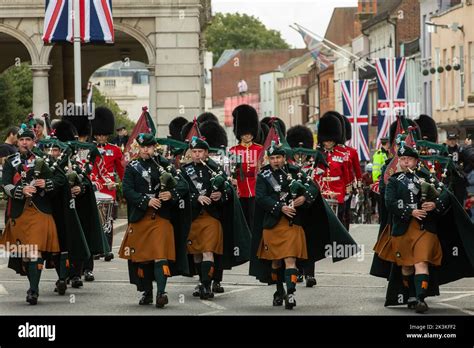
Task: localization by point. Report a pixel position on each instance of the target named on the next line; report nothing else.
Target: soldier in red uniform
(246, 129)
(103, 125)
(332, 180)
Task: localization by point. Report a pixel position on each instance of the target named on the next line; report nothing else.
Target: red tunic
(113, 162)
(335, 177)
(249, 160)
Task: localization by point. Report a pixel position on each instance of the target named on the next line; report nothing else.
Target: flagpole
(333, 50)
(328, 42)
(77, 55)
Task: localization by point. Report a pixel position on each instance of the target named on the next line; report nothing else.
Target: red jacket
(113, 162)
(353, 163)
(249, 164)
(335, 177)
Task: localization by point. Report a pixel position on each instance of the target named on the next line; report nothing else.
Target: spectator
(9, 147)
(122, 137)
(242, 86)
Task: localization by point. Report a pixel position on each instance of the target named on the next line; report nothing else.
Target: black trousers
(346, 217)
(248, 207)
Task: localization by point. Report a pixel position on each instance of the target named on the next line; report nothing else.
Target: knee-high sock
(277, 278)
(290, 279)
(198, 270)
(409, 283)
(207, 270)
(421, 285)
(63, 265)
(162, 272)
(34, 273)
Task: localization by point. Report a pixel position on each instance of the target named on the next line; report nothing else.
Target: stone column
(152, 93)
(40, 89)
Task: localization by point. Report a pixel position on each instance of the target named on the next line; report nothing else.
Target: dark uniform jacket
(403, 195)
(141, 182)
(273, 192)
(19, 171)
(199, 178)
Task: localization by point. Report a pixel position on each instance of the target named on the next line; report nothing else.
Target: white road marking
(458, 308)
(455, 297)
(3, 291)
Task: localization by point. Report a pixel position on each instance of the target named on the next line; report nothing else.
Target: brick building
(234, 65)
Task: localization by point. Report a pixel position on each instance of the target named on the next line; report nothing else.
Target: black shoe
(217, 287)
(278, 298)
(32, 297)
(300, 278)
(147, 298)
(290, 301)
(196, 291)
(97, 257)
(109, 257)
(310, 281)
(61, 287)
(161, 300)
(205, 292)
(412, 303)
(76, 282)
(421, 306)
(89, 276)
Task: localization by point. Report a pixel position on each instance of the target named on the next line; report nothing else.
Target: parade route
(344, 288)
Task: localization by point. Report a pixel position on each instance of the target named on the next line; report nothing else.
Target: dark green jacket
(16, 176)
(403, 195)
(203, 180)
(138, 190)
(271, 200)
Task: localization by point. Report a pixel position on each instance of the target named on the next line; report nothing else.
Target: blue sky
(279, 14)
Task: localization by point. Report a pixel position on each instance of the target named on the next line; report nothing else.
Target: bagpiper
(158, 221)
(30, 230)
(218, 232)
(292, 222)
(429, 240)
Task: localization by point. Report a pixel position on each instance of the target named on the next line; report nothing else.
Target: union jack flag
(391, 90)
(355, 108)
(95, 16)
(315, 46)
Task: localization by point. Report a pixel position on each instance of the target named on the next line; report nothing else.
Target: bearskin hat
(214, 134)
(81, 123)
(428, 128)
(207, 116)
(103, 122)
(245, 121)
(329, 129)
(186, 129)
(262, 133)
(64, 130)
(300, 134)
(175, 127)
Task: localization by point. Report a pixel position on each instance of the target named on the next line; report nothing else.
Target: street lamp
(453, 26)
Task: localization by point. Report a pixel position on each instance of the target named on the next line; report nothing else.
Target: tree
(120, 116)
(239, 31)
(16, 97)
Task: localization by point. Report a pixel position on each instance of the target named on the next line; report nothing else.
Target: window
(471, 65)
(444, 84)
(461, 75)
(109, 83)
(270, 97)
(453, 79)
(438, 81)
(264, 92)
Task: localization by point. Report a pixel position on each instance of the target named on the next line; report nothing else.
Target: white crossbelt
(331, 178)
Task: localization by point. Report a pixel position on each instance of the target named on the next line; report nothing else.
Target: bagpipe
(167, 181)
(218, 179)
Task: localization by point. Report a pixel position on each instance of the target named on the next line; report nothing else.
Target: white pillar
(40, 89)
(152, 93)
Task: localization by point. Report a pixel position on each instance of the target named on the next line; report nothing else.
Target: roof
(342, 19)
(225, 57)
(384, 9)
(294, 62)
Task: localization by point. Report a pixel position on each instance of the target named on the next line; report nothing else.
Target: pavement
(344, 288)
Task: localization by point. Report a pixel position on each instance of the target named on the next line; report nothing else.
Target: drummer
(102, 127)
